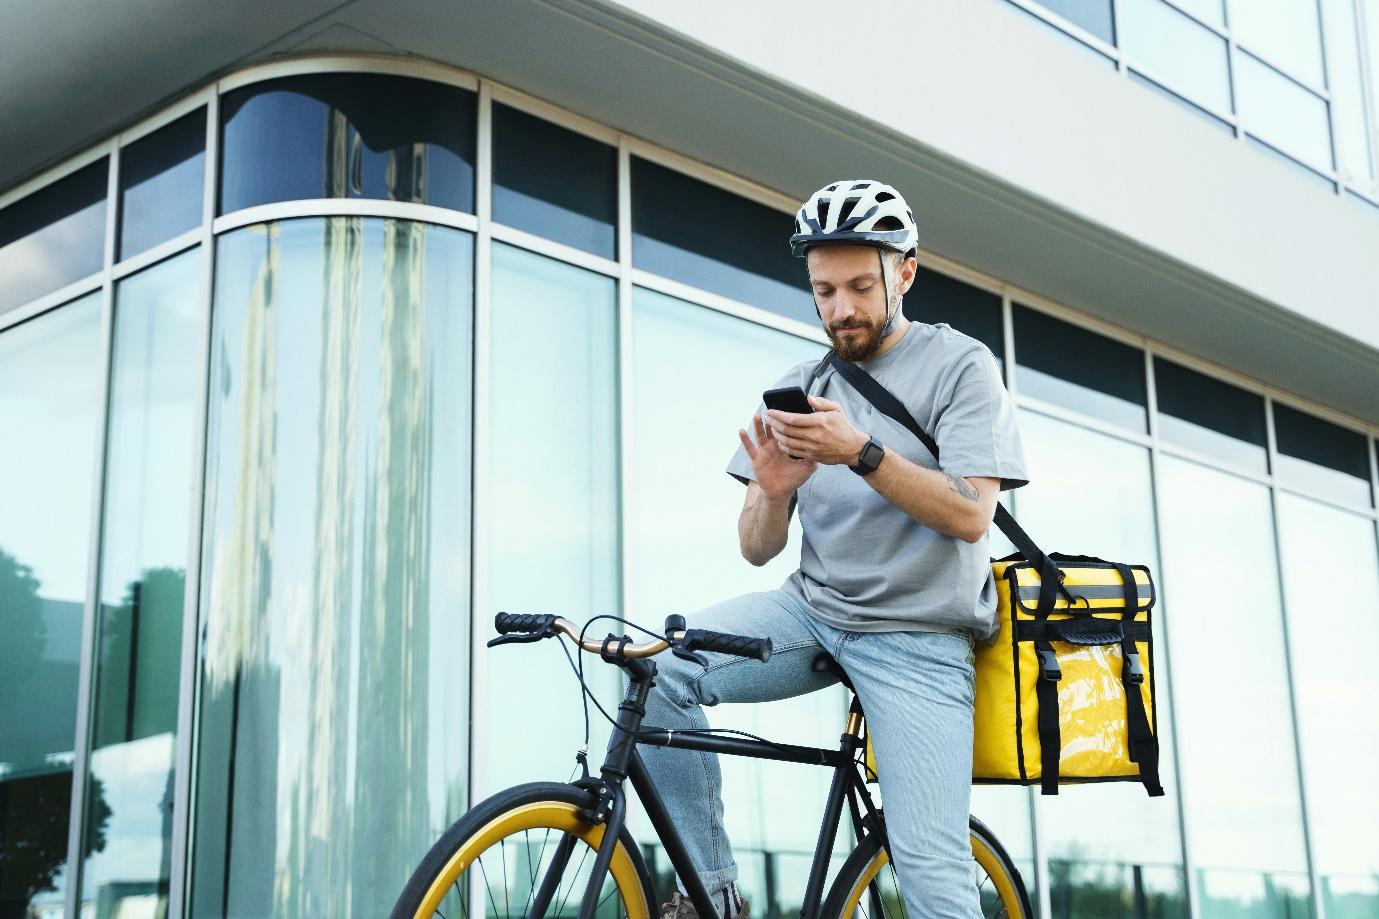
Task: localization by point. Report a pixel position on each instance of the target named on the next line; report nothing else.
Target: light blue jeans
(916, 689)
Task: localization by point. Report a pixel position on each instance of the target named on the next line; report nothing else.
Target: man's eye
(862, 290)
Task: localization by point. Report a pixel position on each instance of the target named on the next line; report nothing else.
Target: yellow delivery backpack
(1065, 693)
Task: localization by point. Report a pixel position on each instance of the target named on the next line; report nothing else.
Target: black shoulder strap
(1050, 577)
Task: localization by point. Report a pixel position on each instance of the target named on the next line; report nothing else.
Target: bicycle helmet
(863, 212)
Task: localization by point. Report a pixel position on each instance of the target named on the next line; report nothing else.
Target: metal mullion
(480, 480)
(1053, 410)
(1373, 477)
(345, 207)
(712, 175)
(1368, 101)
(1149, 73)
(1214, 463)
(188, 694)
(1219, 30)
(1318, 908)
(1069, 28)
(86, 664)
(158, 253)
(1323, 94)
(532, 105)
(56, 173)
(62, 295)
(1165, 628)
(626, 370)
(1326, 501)
(184, 106)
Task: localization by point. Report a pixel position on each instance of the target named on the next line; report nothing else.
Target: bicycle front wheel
(866, 886)
(525, 846)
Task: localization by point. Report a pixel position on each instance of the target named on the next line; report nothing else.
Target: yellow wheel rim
(983, 853)
(555, 815)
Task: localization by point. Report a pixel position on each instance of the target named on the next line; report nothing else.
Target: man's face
(851, 296)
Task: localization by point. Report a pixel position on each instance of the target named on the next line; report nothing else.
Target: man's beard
(856, 347)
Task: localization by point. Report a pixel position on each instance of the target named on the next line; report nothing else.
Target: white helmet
(849, 212)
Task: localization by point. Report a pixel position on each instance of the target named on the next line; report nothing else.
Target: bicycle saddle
(824, 663)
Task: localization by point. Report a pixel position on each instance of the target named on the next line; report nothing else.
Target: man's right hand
(778, 476)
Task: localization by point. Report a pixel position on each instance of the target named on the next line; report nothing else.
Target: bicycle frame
(622, 762)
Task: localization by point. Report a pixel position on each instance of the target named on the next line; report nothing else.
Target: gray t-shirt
(866, 565)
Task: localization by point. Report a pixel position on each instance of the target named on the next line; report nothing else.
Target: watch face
(871, 456)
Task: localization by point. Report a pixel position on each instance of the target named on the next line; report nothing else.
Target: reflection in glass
(347, 135)
(1281, 112)
(143, 569)
(937, 298)
(702, 235)
(1209, 416)
(1331, 585)
(1320, 457)
(1093, 15)
(1347, 90)
(553, 531)
(553, 182)
(686, 434)
(1283, 32)
(50, 392)
(1079, 370)
(1181, 54)
(1089, 492)
(334, 701)
(54, 236)
(1244, 824)
(161, 182)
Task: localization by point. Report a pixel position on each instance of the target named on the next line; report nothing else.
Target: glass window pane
(1205, 10)
(1204, 414)
(1331, 575)
(347, 135)
(699, 234)
(1283, 32)
(1093, 15)
(1347, 90)
(1281, 112)
(1231, 674)
(1093, 860)
(686, 434)
(1177, 52)
(54, 236)
(554, 182)
(161, 182)
(1320, 457)
(151, 435)
(553, 537)
(50, 393)
(937, 298)
(335, 581)
(1079, 370)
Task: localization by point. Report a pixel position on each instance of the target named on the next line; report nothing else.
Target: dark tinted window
(1209, 416)
(938, 298)
(347, 136)
(1080, 370)
(554, 182)
(693, 232)
(54, 236)
(1321, 457)
(161, 178)
(1093, 15)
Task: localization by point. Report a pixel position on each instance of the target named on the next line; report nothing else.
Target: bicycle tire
(1005, 896)
(548, 811)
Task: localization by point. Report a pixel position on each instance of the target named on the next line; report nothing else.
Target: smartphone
(787, 399)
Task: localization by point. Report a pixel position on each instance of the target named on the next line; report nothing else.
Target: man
(894, 579)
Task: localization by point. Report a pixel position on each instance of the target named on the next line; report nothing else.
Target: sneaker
(680, 907)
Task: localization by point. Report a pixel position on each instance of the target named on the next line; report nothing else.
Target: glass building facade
(1294, 78)
(309, 383)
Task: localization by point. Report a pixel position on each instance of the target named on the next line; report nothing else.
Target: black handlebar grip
(506, 623)
(702, 640)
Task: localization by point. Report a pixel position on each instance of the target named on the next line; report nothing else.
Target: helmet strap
(886, 288)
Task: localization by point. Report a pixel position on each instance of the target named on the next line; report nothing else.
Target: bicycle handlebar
(544, 626)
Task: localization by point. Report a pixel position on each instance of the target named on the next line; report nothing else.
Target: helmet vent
(824, 205)
(884, 196)
(846, 211)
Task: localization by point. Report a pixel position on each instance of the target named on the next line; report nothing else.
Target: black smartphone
(787, 399)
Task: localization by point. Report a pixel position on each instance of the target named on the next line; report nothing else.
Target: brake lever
(693, 657)
(515, 639)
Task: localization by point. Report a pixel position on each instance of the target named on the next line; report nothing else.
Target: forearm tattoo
(962, 487)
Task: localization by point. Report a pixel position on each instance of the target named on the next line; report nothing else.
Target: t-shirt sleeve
(976, 431)
(740, 466)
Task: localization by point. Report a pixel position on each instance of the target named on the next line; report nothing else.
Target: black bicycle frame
(622, 762)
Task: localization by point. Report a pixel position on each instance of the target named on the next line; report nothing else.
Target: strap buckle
(1048, 664)
(1136, 672)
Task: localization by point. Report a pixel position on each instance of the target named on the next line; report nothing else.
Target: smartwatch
(870, 457)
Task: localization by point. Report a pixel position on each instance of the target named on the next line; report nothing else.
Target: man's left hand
(824, 436)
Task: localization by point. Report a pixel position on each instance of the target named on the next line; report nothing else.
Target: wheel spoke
(487, 888)
(578, 868)
(503, 860)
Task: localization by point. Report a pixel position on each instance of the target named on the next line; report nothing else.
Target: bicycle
(483, 864)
